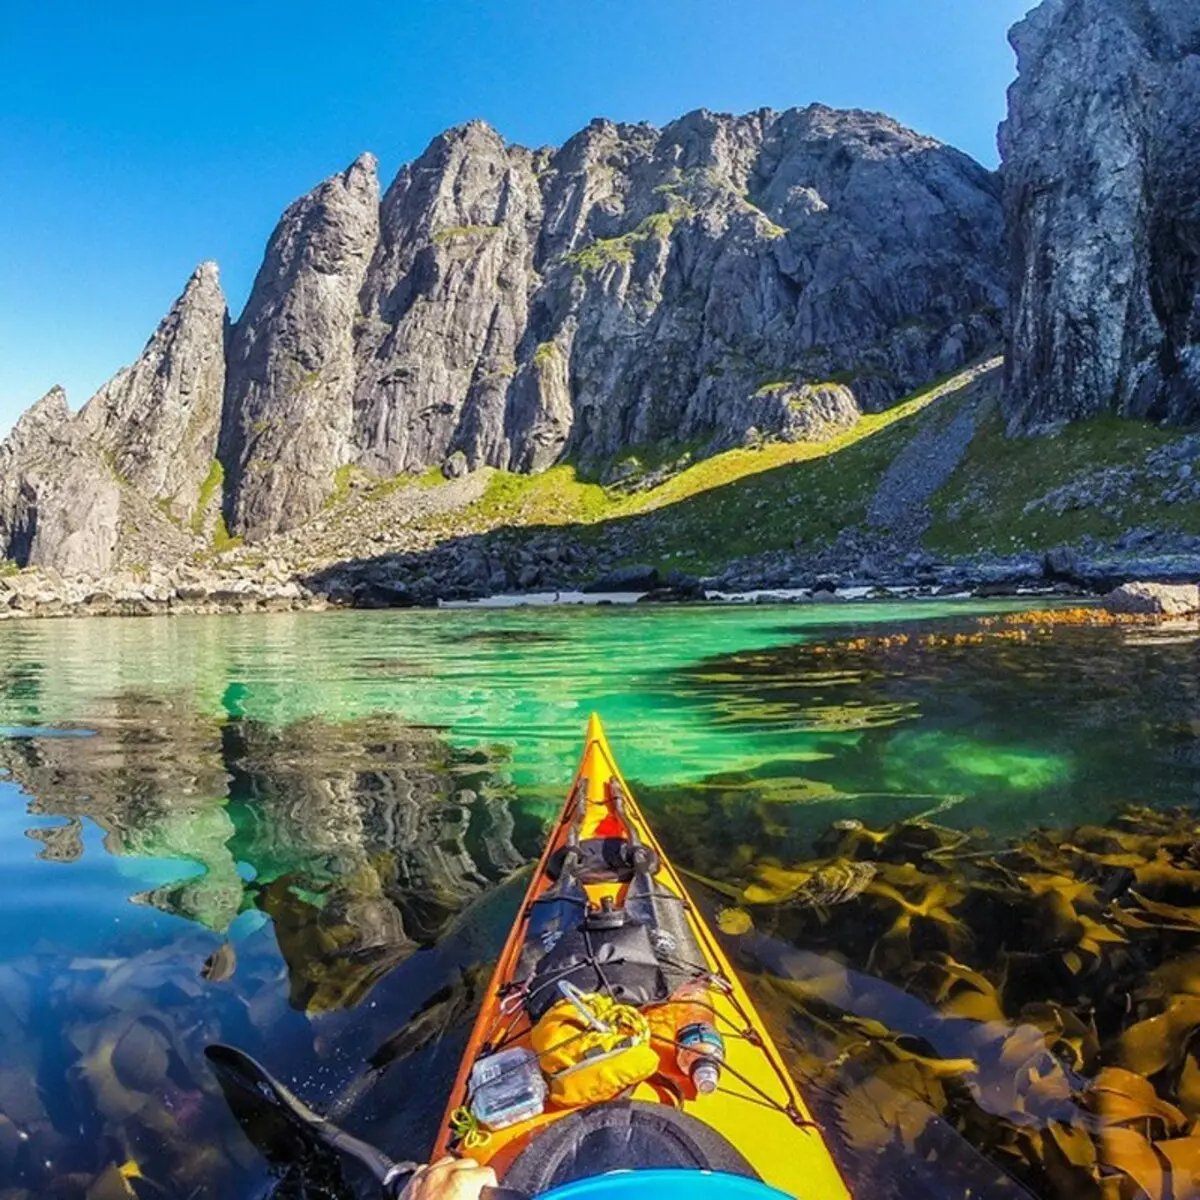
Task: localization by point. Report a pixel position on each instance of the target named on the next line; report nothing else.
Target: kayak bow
(610, 953)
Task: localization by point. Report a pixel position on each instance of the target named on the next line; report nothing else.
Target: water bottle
(700, 1049)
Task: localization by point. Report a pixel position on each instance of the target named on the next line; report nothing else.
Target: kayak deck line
(602, 868)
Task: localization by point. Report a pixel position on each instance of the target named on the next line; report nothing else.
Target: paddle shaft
(392, 1176)
(258, 1081)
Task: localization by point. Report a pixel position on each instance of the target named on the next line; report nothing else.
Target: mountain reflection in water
(341, 811)
(361, 842)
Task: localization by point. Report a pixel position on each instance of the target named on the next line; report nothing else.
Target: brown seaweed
(1056, 984)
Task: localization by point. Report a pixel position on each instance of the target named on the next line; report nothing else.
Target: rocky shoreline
(559, 573)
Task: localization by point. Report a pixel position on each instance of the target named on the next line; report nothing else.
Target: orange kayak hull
(758, 1108)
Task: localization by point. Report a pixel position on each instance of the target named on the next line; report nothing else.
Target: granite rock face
(158, 420)
(636, 286)
(60, 503)
(1102, 200)
(687, 269)
(290, 372)
(706, 285)
(445, 304)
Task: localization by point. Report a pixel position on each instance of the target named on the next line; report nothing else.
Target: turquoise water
(347, 801)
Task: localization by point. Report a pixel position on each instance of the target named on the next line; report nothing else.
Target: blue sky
(139, 138)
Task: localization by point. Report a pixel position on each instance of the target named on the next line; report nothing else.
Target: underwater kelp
(102, 1090)
(1090, 615)
(998, 722)
(1040, 998)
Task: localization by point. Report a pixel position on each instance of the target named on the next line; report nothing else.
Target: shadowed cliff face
(696, 286)
(1102, 198)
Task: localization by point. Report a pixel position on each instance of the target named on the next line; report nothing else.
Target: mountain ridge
(513, 307)
(611, 314)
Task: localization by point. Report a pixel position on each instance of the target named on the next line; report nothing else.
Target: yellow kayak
(614, 1034)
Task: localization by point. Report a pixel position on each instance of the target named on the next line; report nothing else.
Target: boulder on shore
(639, 578)
(382, 593)
(1162, 599)
(1062, 562)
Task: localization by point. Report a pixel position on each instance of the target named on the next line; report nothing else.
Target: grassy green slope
(741, 502)
(994, 501)
(782, 495)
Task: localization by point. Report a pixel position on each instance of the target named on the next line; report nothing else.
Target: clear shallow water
(347, 800)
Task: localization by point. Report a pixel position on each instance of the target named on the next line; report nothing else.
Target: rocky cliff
(635, 293)
(1102, 198)
(59, 498)
(641, 286)
(446, 304)
(133, 476)
(291, 357)
(157, 421)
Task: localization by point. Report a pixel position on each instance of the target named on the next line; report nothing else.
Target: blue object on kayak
(687, 1185)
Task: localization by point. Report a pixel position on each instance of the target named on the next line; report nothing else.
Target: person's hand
(449, 1179)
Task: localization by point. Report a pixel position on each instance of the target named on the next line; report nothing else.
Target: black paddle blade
(284, 1128)
(251, 1078)
(276, 1122)
(287, 1132)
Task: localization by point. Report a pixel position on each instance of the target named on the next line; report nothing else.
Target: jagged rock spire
(59, 500)
(158, 420)
(288, 405)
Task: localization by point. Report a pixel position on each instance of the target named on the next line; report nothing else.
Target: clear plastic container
(506, 1088)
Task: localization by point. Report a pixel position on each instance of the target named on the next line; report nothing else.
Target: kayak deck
(756, 1107)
